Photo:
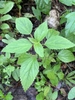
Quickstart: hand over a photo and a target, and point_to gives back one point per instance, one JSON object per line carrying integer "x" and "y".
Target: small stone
{"x": 53, "y": 19}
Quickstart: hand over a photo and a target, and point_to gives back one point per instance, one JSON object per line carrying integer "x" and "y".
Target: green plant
{"x": 4, "y": 16}
{"x": 47, "y": 94}
{"x": 8, "y": 96}
{"x": 68, "y": 3}
{"x": 30, "y": 63}
{"x": 70, "y": 78}
{"x": 43, "y": 6}
{"x": 71, "y": 94}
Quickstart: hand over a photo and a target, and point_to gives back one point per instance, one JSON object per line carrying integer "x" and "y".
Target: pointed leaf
{"x": 58, "y": 42}
{"x": 39, "y": 49}
{"x": 41, "y": 32}
{"x": 8, "y": 6}
{"x": 24, "y": 25}
{"x": 5, "y": 17}
{"x": 28, "y": 72}
{"x": 4, "y": 26}
{"x": 71, "y": 94}
{"x": 70, "y": 25}
{"x": 66, "y": 56}
{"x": 18, "y": 46}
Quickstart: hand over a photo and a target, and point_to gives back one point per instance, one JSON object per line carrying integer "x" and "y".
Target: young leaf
{"x": 71, "y": 94}
{"x": 58, "y": 42}
{"x": 8, "y": 6}
{"x": 37, "y": 13}
{"x": 66, "y": 56}
{"x": 4, "y": 26}
{"x": 23, "y": 57}
{"x": 5, "y": 17}
{"x": 70, "y": 25}
{"x": 24, "y": 25}
{"x": 54, "y": 95}
{"x": 16, "y": 74}
{"x": 18, "y": 46}
{"x": 40, "y": 96}
{"x": 41, "y": 32}
{"x": 39, "y": 49}
{"x": 8, "y": 96}
{"x": 28, "y": 72}
{"x": 67, "y": 2}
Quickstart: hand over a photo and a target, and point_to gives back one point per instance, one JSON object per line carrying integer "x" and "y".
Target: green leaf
{"x": 71, "y": 94}
{"x": 70, "y": 25}
{"x": 52, "y": 32}
{"x": 39, "y": 49}
{"x": 28, "y": 72}
{"x": 46, "y": 90}
{"x": 16, "y": 74}
{"x": 8, "y": 96}
{"x": 58, "y": 42}
{"x": 54, "y": 95}
{"x": 67, "y": 2}
{"x": 52, "y": 76}
{"x": 1, "y": 94}
{"x": 71, "y": 74}
{"x": 43, "y": 5}
{"x": 37, "y": 13}
{"x": 24, "y": 25}
{"x": 4, "y": 26}
{"x": 5, "y": 17}
{"x": 2, "y": 4}
{"x": 47, "y": 1}
{"x": 60, "y": 75}
{"x": 8, "y": 6}
{"x": 40, "y": 96}
{"x": 9, "y": 69}
{"x": 18, "y": 46}
{"x": 41, "y": 32}
{"x": 23, "y": 57}
{"x": 66, "y": 56}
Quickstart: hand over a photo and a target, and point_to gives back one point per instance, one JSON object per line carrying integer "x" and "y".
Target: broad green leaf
{"x": 39, "y": 49}
{"x": 1, "y": 94}
{"x": 52, "y": 76}
{"x": 23, "y": 57}
{"x": 60, "y": 75}
{"x": 2, "y": 4}
{"x": 41, "y": 32}
{"x": 58, "y": 42}
{"x": 8, "y": 96}
{"x": 66, "y": 56}
{"x": 52, "y": 32}
{"x": 70, "y": 25}
{"x": 54, "y": 95}
{"x": 18, "y": 46}
{"x": 4, "y": 26}
{"x": 24, "y": 25}
{"x": 8, "y": 6}
{"x": 40, "y": 96}
{"x": 5, "y": 17}
{"x": 28, "y": 72}
{"x": 71, "y": 94}
{"x": 67, "y": 2}
{"x": 46, "y": 90}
